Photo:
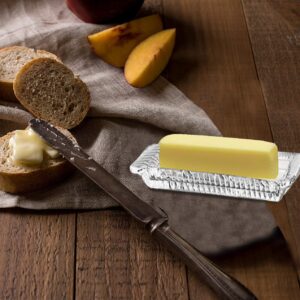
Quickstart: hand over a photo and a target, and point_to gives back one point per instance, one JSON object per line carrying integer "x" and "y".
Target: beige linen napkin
{"x": 122, "y": 121}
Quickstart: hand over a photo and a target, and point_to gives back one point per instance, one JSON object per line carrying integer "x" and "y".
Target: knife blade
{"x": 155, "y": 220}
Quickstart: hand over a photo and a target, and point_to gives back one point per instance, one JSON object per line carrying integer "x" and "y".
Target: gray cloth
{"x": 122, "y": 121}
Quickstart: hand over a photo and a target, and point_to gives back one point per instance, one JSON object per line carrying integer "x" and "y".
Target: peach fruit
{"x": 114, "y": 45}
{"x": 149, "y": 58}
{"x": 104, "y": 11}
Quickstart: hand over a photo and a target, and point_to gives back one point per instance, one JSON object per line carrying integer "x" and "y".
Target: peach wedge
{"x": 114, "y": 45}
{"x": 149, "y": 58}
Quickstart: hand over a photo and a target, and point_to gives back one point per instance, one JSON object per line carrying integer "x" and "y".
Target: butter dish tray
{"x": 147, "y": 166}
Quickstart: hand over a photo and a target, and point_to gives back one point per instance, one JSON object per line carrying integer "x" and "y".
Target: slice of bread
{"x": 50, "y": 91}
{"x": 12, "y": 59}
{"x": 19, "y": 179}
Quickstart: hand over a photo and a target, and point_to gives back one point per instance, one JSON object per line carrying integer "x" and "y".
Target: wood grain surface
{"x": 274, "y": 29}
{"x": 239, "y": 60}
{"x": 118, "y": 259}
{"x": 36, "y": 255}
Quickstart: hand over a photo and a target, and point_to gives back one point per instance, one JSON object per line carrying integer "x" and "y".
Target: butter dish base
{"x": 147, "y": 166}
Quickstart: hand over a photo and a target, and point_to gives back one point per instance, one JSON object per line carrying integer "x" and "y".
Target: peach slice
{"x": 149, "y": 58}
{"x": 114, "y": 45}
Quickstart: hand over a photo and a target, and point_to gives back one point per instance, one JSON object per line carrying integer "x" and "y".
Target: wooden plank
{"x": 36, "y": 255}
{"x": 275, "y": 37}
{"x": 213, "y": 64}
{"x": 118, "y": 259}
{"x": 255, "y": 267}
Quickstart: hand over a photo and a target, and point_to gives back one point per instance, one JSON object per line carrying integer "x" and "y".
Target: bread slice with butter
{"x": 12, "y": 59}
{"x": 24, "y": 169}
{"x": 50, "y": 91}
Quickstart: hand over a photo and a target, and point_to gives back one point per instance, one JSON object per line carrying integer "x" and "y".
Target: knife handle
{"x": 224, "y": 285}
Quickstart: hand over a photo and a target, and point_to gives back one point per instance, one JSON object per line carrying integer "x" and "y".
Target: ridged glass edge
{"x": 147, "y": 166}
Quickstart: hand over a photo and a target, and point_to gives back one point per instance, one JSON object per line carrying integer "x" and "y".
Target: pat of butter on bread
{"x": 28, "y": 148}
{"x": 210, "y": 154}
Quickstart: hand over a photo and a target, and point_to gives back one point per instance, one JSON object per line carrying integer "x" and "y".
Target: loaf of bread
{"x": 12, "y": 59}
{"x": 50, "y": 91}
{"x": 19, "y": 179}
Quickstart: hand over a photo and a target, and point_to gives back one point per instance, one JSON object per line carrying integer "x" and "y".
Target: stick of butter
{"x": 211, "y": 154}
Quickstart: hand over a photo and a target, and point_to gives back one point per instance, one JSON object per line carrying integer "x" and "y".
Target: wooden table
{"x": 240, "y": 61}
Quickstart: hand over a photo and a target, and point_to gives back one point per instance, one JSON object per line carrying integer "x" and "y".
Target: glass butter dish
{"x": 147, "y": 166}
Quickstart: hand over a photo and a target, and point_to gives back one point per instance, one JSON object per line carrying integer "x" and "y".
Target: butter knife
{"x": 154, "y": 219}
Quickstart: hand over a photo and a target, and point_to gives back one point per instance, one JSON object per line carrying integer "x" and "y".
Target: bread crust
{"x": 6, "y": 86}
{"x": 17, "y": 183}
{"x": 33, "y": 178}
{"x": 7, "y": 91}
